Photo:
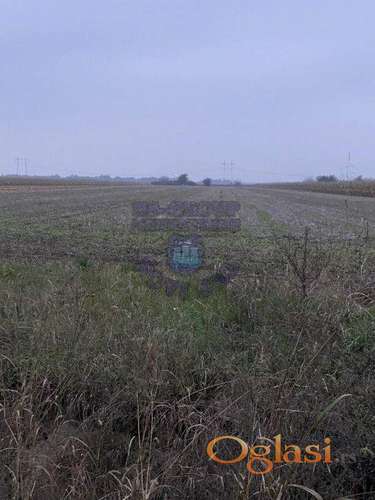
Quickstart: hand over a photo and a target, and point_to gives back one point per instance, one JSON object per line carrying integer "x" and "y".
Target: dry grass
{"x": 112, "y": 390}
{"x": 348, "y": 188}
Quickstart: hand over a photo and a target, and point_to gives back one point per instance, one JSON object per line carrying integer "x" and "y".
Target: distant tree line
{"x": 327, "y": 178}
{"x": 183, "y": 180}
{"x": 333, "y": 178}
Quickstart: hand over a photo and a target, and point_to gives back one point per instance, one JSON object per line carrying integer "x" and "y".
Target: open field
{"x": 112, "y": 388}
{"x": 93, "y": 220}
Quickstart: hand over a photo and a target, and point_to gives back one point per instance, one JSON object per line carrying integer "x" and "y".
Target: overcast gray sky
{"x": 284, "y": 88}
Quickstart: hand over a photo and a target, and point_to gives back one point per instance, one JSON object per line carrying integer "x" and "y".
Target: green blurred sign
{"x": 185, "y": 254}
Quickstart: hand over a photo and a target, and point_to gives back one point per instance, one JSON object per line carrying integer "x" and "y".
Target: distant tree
{"x": 327, "y": 178}
{"x": 359, "y": 178}
{"x": 163, "y": 180}
{"x": 237, "y": 183}
{"x": 207, "y": 181}
{"x": 182, "y": 179}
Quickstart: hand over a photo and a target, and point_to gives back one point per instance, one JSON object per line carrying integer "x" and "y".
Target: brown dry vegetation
{"x": 348, "y": 188}
{"x": 111, "y": 389}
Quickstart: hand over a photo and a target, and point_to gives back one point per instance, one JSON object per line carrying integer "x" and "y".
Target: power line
{"x": 22, "y": 166}
{"x": 231, "y": 170}
{"x": 230, "y": 165}
{"x": 224, "y": 165}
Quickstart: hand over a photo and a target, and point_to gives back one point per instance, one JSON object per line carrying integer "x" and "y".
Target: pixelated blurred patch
{"x": 185, "y": 253}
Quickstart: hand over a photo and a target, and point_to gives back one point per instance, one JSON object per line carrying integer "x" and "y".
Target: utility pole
{"x": 224, "y": 165}
{"x": 230, "y": 165}
{"x": 231, "y": 170}
{"x": 348, "y": 166}
{"x": 21, "y": 166}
